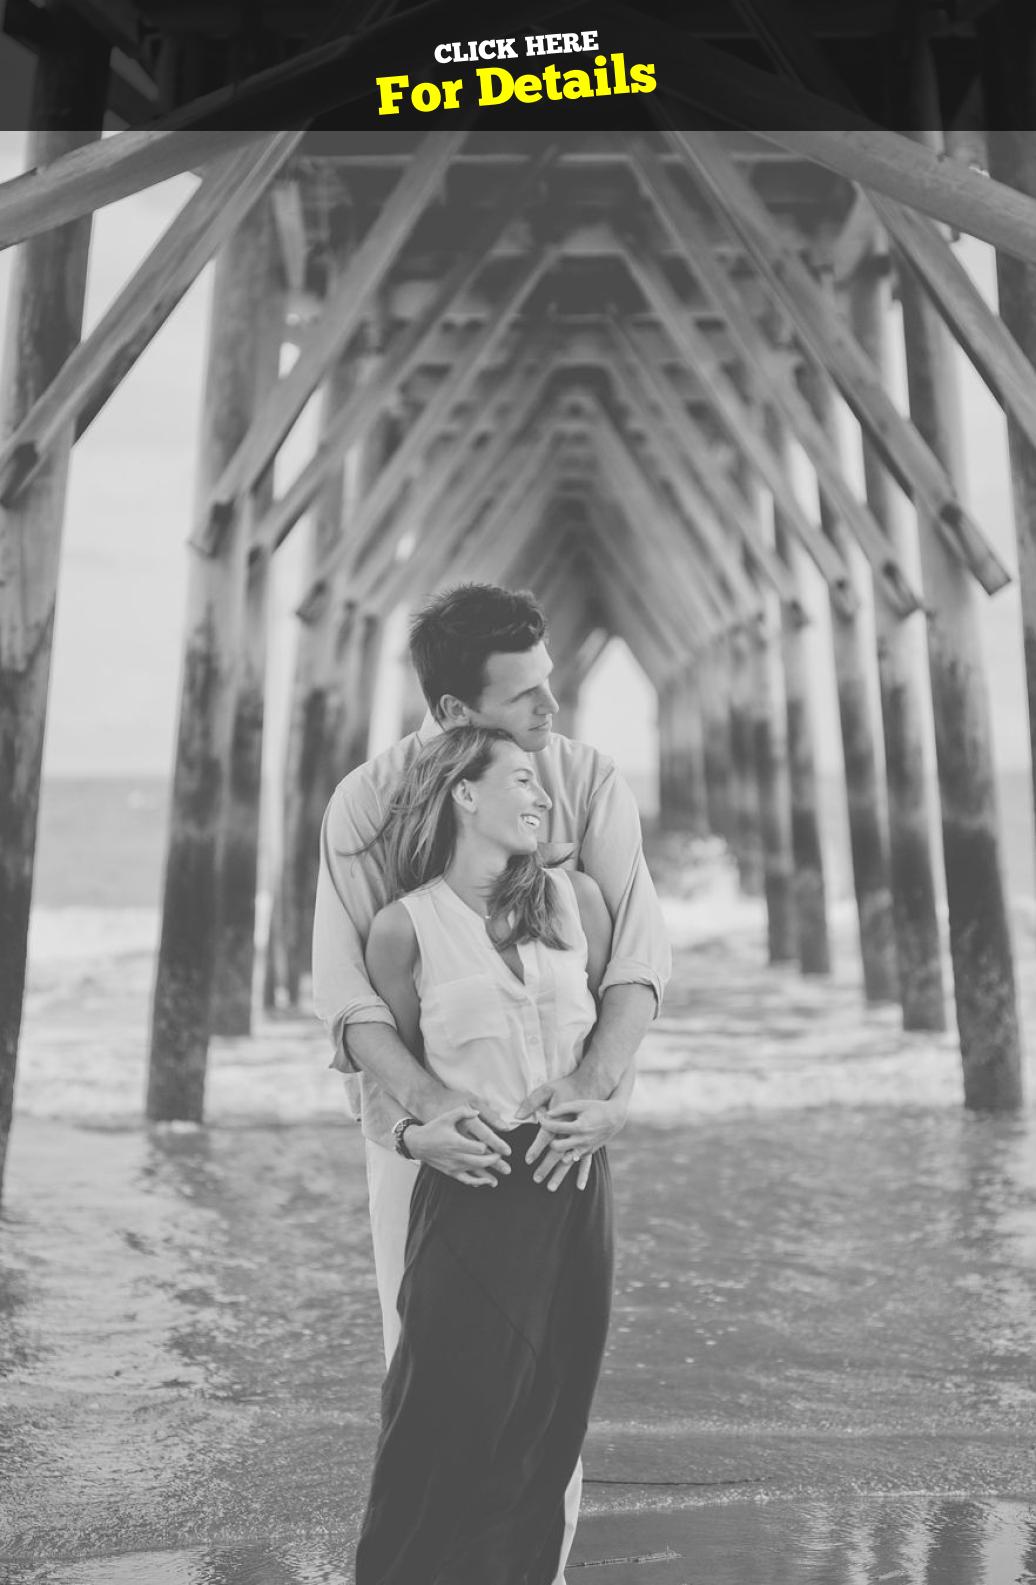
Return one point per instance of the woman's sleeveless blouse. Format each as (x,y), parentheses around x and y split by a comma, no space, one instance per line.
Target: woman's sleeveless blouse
(483,1029)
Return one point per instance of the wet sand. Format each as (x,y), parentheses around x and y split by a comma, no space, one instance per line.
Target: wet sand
(821,1356)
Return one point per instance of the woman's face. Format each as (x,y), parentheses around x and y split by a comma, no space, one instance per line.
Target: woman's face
(507,804)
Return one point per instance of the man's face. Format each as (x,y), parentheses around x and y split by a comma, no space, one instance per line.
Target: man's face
(517,697)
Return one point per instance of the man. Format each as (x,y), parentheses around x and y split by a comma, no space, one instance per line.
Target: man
(480,655)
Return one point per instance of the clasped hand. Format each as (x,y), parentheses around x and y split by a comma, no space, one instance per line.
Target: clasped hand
(462,1140)
(571,1128)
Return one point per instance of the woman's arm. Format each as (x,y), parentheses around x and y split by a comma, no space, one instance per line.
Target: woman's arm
(391,958)
(444,1141)
(597,926)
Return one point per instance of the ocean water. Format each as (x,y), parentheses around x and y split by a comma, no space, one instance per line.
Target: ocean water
(102,841)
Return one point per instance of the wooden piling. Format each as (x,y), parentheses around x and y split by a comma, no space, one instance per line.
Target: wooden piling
(747,833)
(770,746)
(717,748)
(239,836)
(915,921)
(868,837)
(690,753)
(770,754)
(307,777)
(1008,44)
(215,613)
(44,320)
(807,848)
(980,944)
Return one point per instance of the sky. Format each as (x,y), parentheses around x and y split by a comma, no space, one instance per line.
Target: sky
(115,679)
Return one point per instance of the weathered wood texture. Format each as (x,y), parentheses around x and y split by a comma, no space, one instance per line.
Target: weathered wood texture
(868,834)
(66,186)
(916,925)
(682,802)
(747,838)
(1009,53)
(714,676)
(980,944)
(736,418)
(734,93)
(327,337)
(823,331)
(320,688)
(806,845)
(45,309)
(239,837)
(98,365)
(770,755)
(215,613)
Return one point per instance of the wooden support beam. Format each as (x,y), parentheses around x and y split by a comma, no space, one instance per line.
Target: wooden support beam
(719,799)
(980,941)
(681,750)
(688,572)
(822,330)
(523,509)
(708,478)
(528,474)
(770,756)
(688,580)
(1007,51)
(456,485)
(868,828)
(630,623)
(746,837)
(918,949)
(722,548)
(732,93)
(327,336)
(290,218)
(68,186)
(406,458)
(407,350)
(96,367)
(738,423)
(215,610)
(669,637)
(239,833)
(697,530)
(772,375)
(810,890)
(999,358)
(44,320)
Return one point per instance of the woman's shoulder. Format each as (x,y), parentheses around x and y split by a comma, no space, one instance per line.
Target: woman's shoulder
(586,890)
(392,930)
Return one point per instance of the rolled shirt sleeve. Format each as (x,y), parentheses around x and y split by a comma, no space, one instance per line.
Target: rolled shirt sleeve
(350,891)
(611,851)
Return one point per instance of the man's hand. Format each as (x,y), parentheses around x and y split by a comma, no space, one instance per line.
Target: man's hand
(572,1125)
(460,1143)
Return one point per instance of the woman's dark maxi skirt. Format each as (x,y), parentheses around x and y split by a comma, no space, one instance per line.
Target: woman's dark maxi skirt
(504,1303)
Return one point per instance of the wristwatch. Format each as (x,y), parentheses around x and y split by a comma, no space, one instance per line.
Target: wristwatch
(399,1135)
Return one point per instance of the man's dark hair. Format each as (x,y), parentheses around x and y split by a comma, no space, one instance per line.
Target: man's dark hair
(454,634)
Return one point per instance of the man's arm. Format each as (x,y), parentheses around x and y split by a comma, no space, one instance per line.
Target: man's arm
(640,961)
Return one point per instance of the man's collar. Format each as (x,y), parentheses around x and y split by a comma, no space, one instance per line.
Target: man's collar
(429,729)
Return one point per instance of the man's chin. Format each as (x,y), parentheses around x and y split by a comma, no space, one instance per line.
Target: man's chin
(535,740)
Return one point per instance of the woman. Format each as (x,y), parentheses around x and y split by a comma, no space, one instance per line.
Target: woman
(488,963)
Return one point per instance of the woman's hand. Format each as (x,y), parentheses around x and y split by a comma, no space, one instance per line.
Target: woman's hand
(445,1144)
(571,1128)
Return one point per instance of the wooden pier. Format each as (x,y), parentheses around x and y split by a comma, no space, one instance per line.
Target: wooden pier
(599,363)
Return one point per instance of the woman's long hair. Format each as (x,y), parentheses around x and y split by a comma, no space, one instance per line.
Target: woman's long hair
(419,835)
